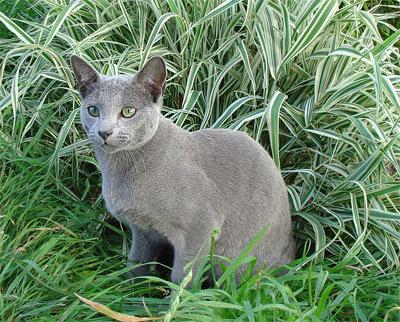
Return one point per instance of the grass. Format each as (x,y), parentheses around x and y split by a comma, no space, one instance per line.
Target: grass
(314,81)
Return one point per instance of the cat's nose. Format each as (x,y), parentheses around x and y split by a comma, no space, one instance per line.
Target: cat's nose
(105,134)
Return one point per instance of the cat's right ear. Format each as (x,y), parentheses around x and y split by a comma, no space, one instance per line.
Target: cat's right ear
(86,75)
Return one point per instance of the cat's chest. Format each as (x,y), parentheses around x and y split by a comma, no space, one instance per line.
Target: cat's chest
(119,190)
(132,201)
(127,194)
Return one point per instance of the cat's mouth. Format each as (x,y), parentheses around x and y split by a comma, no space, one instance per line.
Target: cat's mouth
(106,143)
(107,146)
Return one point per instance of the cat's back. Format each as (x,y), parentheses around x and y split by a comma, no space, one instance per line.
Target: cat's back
(224,141)
(238,163)
(235,148)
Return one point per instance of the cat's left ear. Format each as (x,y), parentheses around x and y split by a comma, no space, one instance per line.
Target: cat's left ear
(153,76)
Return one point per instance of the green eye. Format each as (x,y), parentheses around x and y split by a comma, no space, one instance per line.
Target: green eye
(128,112)
(94,111)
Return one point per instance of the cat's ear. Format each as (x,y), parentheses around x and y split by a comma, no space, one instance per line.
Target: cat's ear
(86,75)
(153,76)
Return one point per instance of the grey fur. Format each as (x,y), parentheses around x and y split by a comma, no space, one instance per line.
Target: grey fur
(173,186)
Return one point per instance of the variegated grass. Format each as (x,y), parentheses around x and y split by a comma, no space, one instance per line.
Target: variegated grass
(313,81)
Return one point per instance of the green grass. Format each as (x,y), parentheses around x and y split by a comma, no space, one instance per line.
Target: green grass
(314,81)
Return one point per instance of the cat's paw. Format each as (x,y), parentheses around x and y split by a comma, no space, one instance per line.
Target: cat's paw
(178,275)
(138,270)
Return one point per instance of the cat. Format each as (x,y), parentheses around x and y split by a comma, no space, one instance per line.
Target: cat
(172,187)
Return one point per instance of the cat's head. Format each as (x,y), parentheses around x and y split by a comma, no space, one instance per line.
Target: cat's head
(120,112)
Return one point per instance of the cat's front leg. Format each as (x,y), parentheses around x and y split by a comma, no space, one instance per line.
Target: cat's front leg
(189,249)
(144,249)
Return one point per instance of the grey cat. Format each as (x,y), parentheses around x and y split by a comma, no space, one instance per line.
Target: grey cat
(173,187)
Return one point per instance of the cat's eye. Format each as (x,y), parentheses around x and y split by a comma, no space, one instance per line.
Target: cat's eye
(94,111)
(128,112)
